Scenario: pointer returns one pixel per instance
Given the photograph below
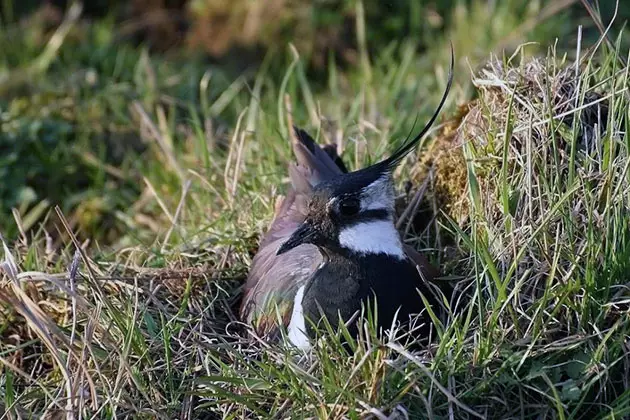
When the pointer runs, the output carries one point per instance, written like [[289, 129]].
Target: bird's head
[[355, 211]]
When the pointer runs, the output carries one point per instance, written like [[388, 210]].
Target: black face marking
[[343, 202], [342, 221], [349, 206], [373, 214]]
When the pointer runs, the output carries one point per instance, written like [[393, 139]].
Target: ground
[[137, 182]]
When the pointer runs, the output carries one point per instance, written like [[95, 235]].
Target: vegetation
[[136, 182]]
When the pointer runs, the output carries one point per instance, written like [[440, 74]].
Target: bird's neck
[[374, 237], [346, 279]]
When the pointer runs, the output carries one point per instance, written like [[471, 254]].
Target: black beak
[[305, 234]]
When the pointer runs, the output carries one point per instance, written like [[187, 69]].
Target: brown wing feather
[[274, 279], [427, 270]]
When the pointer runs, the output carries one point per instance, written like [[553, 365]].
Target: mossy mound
[[543, 106]]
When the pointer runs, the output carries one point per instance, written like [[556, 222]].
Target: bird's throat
[[372, 237]]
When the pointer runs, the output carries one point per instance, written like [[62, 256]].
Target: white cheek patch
[[297, 327], [373, 237], [378, 195]]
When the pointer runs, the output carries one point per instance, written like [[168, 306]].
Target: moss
[[541, 89]]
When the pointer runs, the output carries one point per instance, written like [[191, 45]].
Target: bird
[[332, 247]]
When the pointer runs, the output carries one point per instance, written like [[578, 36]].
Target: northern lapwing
[[333, 246]]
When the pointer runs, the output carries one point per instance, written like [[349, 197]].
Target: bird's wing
[[427, 270], [273, 279], [434, 291]]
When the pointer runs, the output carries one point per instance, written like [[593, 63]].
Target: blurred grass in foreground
[[73, 140]]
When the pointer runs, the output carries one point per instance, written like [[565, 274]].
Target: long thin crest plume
[[391, 162]]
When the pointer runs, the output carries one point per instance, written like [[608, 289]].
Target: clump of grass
[[545, 131], [547, 229], [104, 341]]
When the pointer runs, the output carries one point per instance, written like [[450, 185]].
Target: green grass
[[170, 168]]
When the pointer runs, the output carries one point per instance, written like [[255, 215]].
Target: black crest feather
[[391, 162]]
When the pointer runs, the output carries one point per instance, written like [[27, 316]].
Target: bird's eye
[[349, 206]]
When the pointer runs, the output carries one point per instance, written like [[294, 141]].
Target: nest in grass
[[535, 91]]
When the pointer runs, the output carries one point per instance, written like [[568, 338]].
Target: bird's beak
[[305, 234]]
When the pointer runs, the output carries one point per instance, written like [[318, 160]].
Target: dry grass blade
[[45, 328], [228, 164], [412, 207], [451, 398], [178, 211], [158, 136]]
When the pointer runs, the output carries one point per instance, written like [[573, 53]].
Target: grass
[[121, 284]]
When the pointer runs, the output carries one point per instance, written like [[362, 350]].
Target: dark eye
[[349, 206]]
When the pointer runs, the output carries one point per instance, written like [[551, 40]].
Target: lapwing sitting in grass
[[333, 247]]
